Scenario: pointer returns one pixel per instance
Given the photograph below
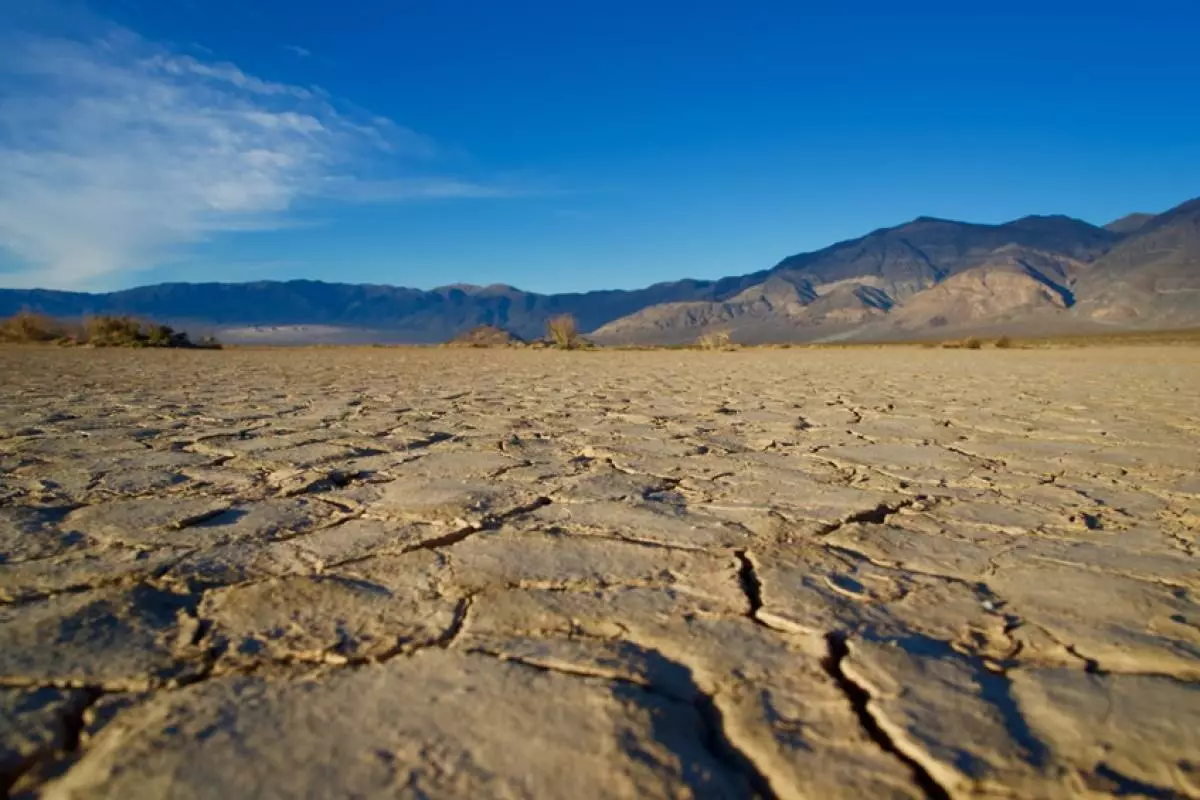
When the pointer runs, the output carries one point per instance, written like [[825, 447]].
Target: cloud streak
[[117, 153]]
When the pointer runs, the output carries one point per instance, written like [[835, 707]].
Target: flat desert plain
[[821, 573]]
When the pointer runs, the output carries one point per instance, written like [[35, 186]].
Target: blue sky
[[559, 145]]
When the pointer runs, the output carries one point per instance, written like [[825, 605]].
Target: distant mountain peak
[[1053, 270], [1129, 223], [475, 289], [921, 222], [1045, 217], [469, 288]]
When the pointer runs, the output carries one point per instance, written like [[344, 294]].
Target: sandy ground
[[857, 573]]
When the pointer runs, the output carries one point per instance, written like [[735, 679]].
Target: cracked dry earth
[[861, 573]]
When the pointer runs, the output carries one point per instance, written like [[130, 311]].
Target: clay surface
[[793, 573]]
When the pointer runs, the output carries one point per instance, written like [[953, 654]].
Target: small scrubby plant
[[563, 331], [160, 335], [1004, 343], [972, 343], [26, 326], [109, 331], [97, 331], [717, 340]]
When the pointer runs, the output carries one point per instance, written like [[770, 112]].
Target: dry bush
[[486, 336], [108, 331], [26, 326], [972, 343], [98, 331], [563, 331], [1004, 342], [113, 331], [717, 340]]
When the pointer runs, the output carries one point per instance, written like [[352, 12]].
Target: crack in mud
[[715, 738], [860, 701], [876, 515]]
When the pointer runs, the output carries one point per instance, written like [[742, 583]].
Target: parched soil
[[860, 573]]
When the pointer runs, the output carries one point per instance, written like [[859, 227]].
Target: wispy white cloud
[[184, 66], [430, 188], [116, 153], [297, 50]]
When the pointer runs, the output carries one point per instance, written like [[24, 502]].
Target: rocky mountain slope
[[1150, 278], [1129, 223], [938, 277], [928, 277]]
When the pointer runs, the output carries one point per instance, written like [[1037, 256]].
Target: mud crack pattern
[[427, 573]]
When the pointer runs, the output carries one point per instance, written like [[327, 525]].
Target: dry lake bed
[[854, 573]]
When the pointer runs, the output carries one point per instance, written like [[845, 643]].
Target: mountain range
[[928, 278]]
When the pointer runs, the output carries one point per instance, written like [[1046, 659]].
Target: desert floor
[[856, 573]]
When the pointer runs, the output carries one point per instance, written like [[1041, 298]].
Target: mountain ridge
[[932, 276], [1052, 269]]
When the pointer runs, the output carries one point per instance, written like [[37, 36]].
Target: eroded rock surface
[[427, 573]]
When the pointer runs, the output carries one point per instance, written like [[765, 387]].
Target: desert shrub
[[972, 343], [110, 331], [486, 336], [717, 340], [1004, 342], [98, 331], [26, 326], [114, 331], [159, 335], [563, 331]]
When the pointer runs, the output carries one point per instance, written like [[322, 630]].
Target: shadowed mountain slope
[[1152, 278], [1129, 223], [862, 281]]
